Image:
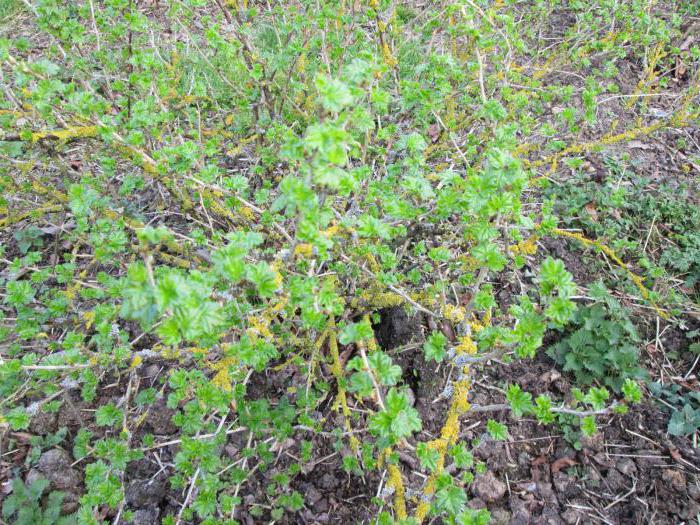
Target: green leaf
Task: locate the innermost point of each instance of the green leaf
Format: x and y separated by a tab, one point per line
597	397
169	332
168	289
414	143
427	456
494	110
368	226
543	409
387	372
450	499
489	255
434	347
229	262
462	457
474	517
335	95
18	418
355	332
264	278
498	431
631	391
19	293
398	419
520	402
361	383
588	426
405	423
108	415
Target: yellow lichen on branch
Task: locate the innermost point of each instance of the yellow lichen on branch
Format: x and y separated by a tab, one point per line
450	430
37	212
66	134
636	279
337	369
585	147
680	119
396	483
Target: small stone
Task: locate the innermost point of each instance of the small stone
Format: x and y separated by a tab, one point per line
148	516
141	493
328	481
626	466
410	395
550	376
594	442
321	506
658	113
70	503
69	416
489	448
151	371
571	517
562	482
694	491
43	423
675	478
55	465
594	478
545	491
32	476
312	495
476	504
280	446
54	459
616	480
159	418
648	458
602	459
527	486
500	517
551	516
488	488
521	512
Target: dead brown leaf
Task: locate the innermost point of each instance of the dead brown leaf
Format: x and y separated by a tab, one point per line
563	463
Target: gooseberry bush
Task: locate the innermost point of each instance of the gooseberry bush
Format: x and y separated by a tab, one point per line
234	189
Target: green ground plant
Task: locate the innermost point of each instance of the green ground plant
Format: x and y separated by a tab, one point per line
683	406
25	507
603	345
232	189
654	225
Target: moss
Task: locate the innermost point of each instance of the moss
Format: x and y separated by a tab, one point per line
608	140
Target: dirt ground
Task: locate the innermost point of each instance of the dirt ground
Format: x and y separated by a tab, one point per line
632	472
